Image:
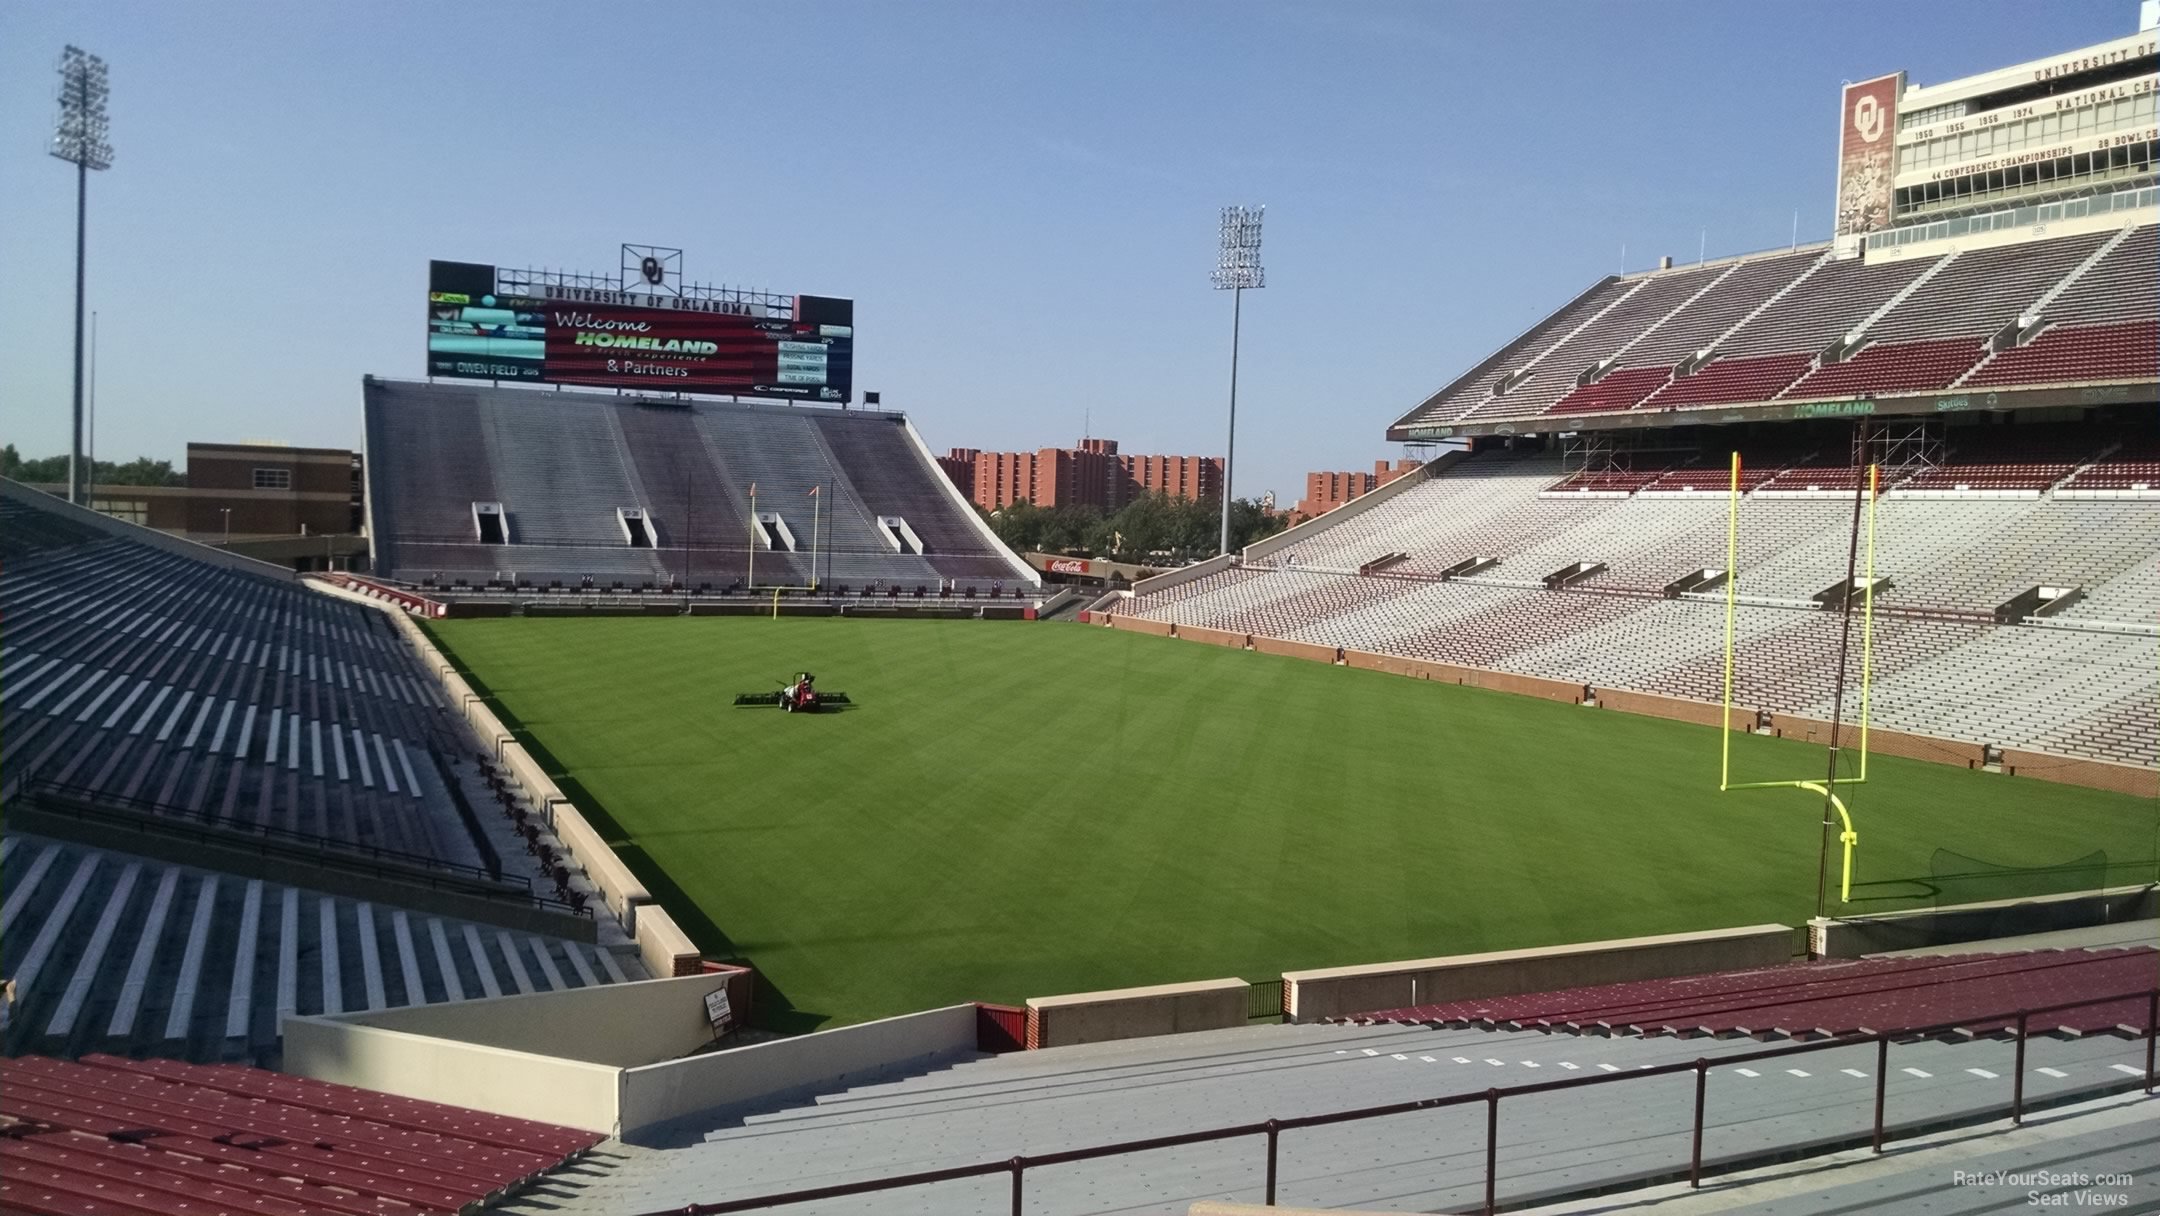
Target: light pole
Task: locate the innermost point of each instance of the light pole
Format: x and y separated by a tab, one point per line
1236	268
227	513
79	139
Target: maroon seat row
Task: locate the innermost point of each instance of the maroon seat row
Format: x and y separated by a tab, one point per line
1831	998
108	1135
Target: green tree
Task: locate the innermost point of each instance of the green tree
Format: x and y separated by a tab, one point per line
141	471
1153	529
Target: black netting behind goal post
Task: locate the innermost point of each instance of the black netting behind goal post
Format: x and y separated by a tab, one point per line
1960	879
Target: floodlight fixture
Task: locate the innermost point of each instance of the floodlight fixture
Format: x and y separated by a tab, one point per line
80	134
1238	265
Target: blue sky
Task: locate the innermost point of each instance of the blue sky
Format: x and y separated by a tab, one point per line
1020	197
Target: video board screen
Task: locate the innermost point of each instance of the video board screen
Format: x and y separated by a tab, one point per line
657	344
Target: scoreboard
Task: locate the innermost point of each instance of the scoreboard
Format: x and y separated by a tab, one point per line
552	334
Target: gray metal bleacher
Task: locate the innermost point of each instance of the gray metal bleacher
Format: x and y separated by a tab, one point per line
126	954
885	465
562	463
143	676
1598	1139
198	759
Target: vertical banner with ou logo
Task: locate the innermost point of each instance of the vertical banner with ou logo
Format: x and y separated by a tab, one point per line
1867	155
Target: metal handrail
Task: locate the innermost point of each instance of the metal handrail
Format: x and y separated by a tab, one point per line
1016	1167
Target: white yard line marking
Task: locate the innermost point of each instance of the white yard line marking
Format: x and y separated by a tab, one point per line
1401	1056
1495	1063
1428	1059
1852	1072
1462	1059
1568	1066
1922	1073
1747	1072
1369	1051
1798	1072
1529	1063
2135	1072
2057	1073
1982	1073
1609	1067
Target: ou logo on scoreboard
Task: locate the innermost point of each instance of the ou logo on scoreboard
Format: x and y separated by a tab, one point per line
1868	118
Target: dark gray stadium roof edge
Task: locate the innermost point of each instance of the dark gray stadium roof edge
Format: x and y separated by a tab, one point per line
123	529
370	382
1997	400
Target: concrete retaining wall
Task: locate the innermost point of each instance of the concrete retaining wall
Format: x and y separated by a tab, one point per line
519	1084
564	1057
666	949
2095	774
1132	1013
1675	709
620	1025
657	1094
1469	677
1883	742
1135	624
1923	927
1294	650
619	889
1341	991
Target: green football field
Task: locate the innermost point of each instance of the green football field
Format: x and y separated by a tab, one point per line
1017	809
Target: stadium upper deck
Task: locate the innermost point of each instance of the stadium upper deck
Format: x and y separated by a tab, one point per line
1994	250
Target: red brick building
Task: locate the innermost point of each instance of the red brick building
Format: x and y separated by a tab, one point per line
1092	474
1326	491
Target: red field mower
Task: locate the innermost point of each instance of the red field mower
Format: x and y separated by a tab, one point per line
799	695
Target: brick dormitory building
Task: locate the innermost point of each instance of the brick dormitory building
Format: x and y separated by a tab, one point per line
1093	474
1326	491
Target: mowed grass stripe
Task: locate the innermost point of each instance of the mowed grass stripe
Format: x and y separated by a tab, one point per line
1018	809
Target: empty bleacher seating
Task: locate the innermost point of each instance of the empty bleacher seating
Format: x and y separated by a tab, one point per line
145	677
1895	367
1763	322
1965	991
115	952
2066	354
112	1135
563	464
2099	327
1778	344
1471	389
1943	667
177	703
2130	470
1554	373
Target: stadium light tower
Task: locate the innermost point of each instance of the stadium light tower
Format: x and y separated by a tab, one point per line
1236	268
79	139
